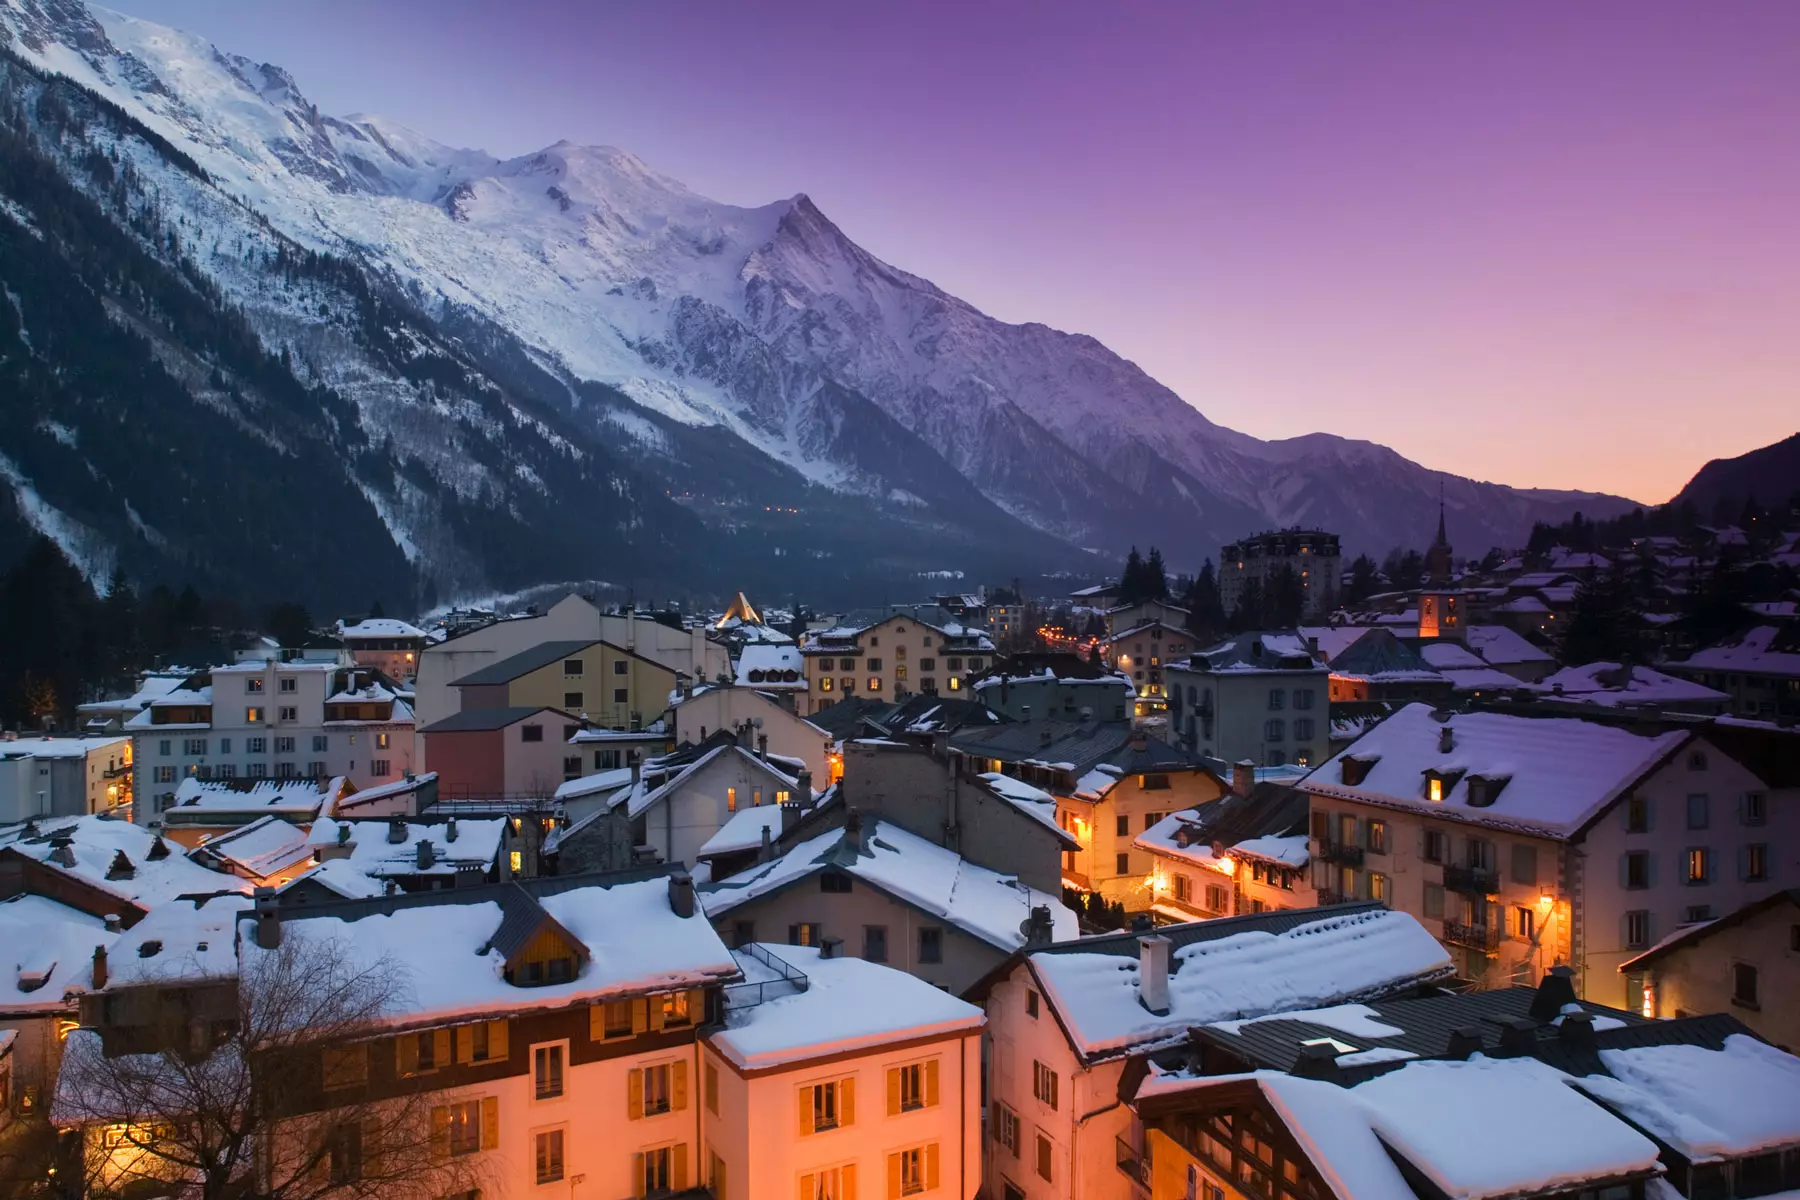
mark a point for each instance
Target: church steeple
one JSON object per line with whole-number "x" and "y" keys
{"x": 1438, "y": 559}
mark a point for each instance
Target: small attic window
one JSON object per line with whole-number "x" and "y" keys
{"x": 1356, "y": 769}
{"x": 1484, "y": 789}
{"x": 1439, "y": 784}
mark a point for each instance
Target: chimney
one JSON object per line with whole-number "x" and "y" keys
{"x": 767, "y": 853}
{"x": 1316, "y": 1062}
{"x": 790, "y": 817}
{"x": 62, "y": 850}
{"x": 1577, "y": 1029}
{"x": 1555, "y": 991}
{"x": 1446, "y": 740}
{"x": 831, "y": 947}
{"x": 114, "y": 923}
{"x": 1024, "y": 712}
{"x": 1038, "y": 929}
{"x": 1044, "y": 736}
{"x": 762, "y": 746}
{"x": 852, "y": 825}
{"x": 450, "y": 830}
{"x": 1464, "y": 1041}
{"x": 803, "y": 795}
{"x": 268, "y": 918}
{"x": 343, "y": 833}
{"x": 99, "y": 967}
{"x": 1153, "y": 974}
{"x": 681, "y": 894}
{"x": 1139, "y": 740}
{"x": 427, "y": 854}
{"x": 1243, "y": 777}
{"x": 1518, "y": 1035}
{"x": 396, "y": 831}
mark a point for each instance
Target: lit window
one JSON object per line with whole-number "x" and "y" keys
{"x": 1437, "y": 791}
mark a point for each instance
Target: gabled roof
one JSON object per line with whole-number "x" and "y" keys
{"x": 257, "y": 850}
{"x": 482, "y": 720}
{"x": 524, "y": 919}
{"x": 1693, "y": 935}
{"x": 1381, "y": 655}
{"x": 1253, "y": 652}
{"x": 539, "y": 656}
{"x": 1232, "y": 968}
{"x": 1554, "y": 774}
{"x": 982, "y": 903}
{"x": 1074, "y": 746}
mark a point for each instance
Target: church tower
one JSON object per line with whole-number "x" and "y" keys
{"x": 1440, "y": 609}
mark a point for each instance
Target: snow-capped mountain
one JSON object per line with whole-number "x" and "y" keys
{"x": 687, "y": 370}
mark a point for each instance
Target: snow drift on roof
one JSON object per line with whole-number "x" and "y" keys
{"x": 1706, "y": 1103}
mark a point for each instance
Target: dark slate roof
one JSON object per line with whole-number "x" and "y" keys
{"x": 1270, "y": 810}
{"x": 1377, "y": 652}
{"x": 524, "y": 662}
{"x": 478, "y": 719}
{"x": 1247, "y": 651}
{"x": 1061, "y": 663}
{"x": 946, "y": 712}
{"x": 844, "y": 719}
{"x": 1085, "y": 744}
{"x": 1124, "y": 944}
{"x": 521, "y": 917}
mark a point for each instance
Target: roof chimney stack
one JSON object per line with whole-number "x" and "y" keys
{"x": 1153, "y": 974}
{"x": 268, "y": 918}
{"x": 1446, "y": 740}
{"x": 396, "y": 831}
{"x": 1577, "y": 1029}
{"x": 99, "y": 967}
{"x": 427, "y": 854}
{"x": 1554, "y": 991}
{"x": 1037, "y": 928}
{"x": 681, "y": 894}
{"x": 831, "y": 947}
{"x": 1464, "y": 1041}
{"x": 1316, "y": 1062}
{"x": 1243, "y": 777}
{"x": 1518, "y": 1035}
{"x": 803, "y": 787}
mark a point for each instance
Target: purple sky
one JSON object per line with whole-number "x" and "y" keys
{"x": 1554, "y": 244}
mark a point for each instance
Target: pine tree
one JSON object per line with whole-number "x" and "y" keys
{"x": 1206, "y": 610}
{"x": 1156, "y": 577}
{"x": 1363, "y": 580}
{"x": 1131, "y": 580}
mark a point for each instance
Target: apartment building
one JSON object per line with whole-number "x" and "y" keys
{"x": 1245, "y": 852}
{"x": 1759, "y": 669}
{"x": 390, "y": 646}
{"x": 890, "y": 660}
{"x": 1258, "y": 696}
{"x": 1746, "y": 963}
{"x": 605, "y": 684}
{"x": 1313, "y": 556}
{"x": 1526, "y": 842}
{"x": 1109, "y": 783}
{"x": 269, "y": 720}
{"x": 834, "y": 1077}
{"x": 61, "y": 777}
{"x": 1142, "y": 652}
{"x": 1067, "y": 1022}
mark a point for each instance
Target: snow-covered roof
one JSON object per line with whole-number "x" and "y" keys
{"x": 341, "y": 876}
{"x": 1756, "y": 652}
{"x": 261, "y": 848}
{"x": 47, "y": 747}
{"x": 660, "y": 777}
{"x": 1480, "y": 679}
{"x": 1439, "y": 1115}
{"x": 46, "y": 948}
{"x": 180, "y": 940}
{"x": 1574, "y": 560}
{"x": 297, "y": 799}
{"x": 981, "y": 902}
{"x": 1500, "y": 646}
{"x": 761, "y": 665}
{"x": 1290, "y": 851}
{"x": 1232, "y": 968}
{"x": 1450, "y": 654}
{"x": 179, "y": 697}
{"x": 379, "y": 627}
{"x": 849, "y": 1006}
{"x": 382, "y": 791}
{"x": 600, "y": 781}
{"x": 442, "y": 948}
{"x": 1613, "y": 685}
{"x": 150, "y": 687}
{"x": 1097, "y": 782}
{"x": 1333, "y": 640}
{"x": 1707, "y": 1104}
{"x": 1553, "y": 773}
{"x": 477, "y": 844}
{"x": 1523, "y": 604}
{"x": 96, "y": 842}
{"x": 743, "y": 830}
{"x": 1161, "y": 838}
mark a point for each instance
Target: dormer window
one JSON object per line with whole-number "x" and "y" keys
{"x": 1484, "y": 789}
{"x": 1439, "y": 784}
{"x": 1355, "y": 769}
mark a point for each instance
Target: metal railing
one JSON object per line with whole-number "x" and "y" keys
{"x": 792, "y": 981}
{"x": 1132, "y": 1162}
{"x": 1480, "y": 881}
{"x": 1476, "y": 937}
{"x": 1342, "y": 853}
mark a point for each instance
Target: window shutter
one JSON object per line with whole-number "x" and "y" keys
{"x": 846, "y": 1101}
{"x": 1524, "y": 863}
{"x": 1055, "y": 1090}
{"x": 634, "y": 1093}
{"x": 846, "y": 1182}
{"x": 712, "y": 1088}
{"x": 696, "y": 999}
{"x": 678, "y": 1080}
{"x": 440, "y": 1047}
{"x": 804, "y": 1097}
{"x": 637, "y": 1172}
{"x": 931, "y": 1167}
{"x": 596, "y": 1022}
{"x": 893, "y": 1188}
{"x": 931, "y": 1083}
{"x": 1624, "y": 871}
{"x": 655, "y": 1014}
{"x": 465, "y": 1043}
{"x": 808, "y": 1188}
{"x": 440, "y": 1131}
{"x": 1650, "y": 869}
{"x": 679, "y": 1170}
{"x": 1649, "y": 815}
{"x": 374, "y": 1162}
{"x": 497, "y": 1043}
{"x": 640, "y": 1015}
{"x": 409, "y": 1053}
{"x": 893, "y": 1091}
{"x": 490, "y": 1122}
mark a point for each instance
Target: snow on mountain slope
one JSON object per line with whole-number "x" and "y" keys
{"x": 765, "y": 324}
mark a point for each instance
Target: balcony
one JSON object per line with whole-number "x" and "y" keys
{"x": 1133, "y": 1163}
{"x": 1327, "y": 896}
{"x": 1476, "y": 937}
{"x": 1474, "y": 881}
{"x": 1341, "y": 853}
